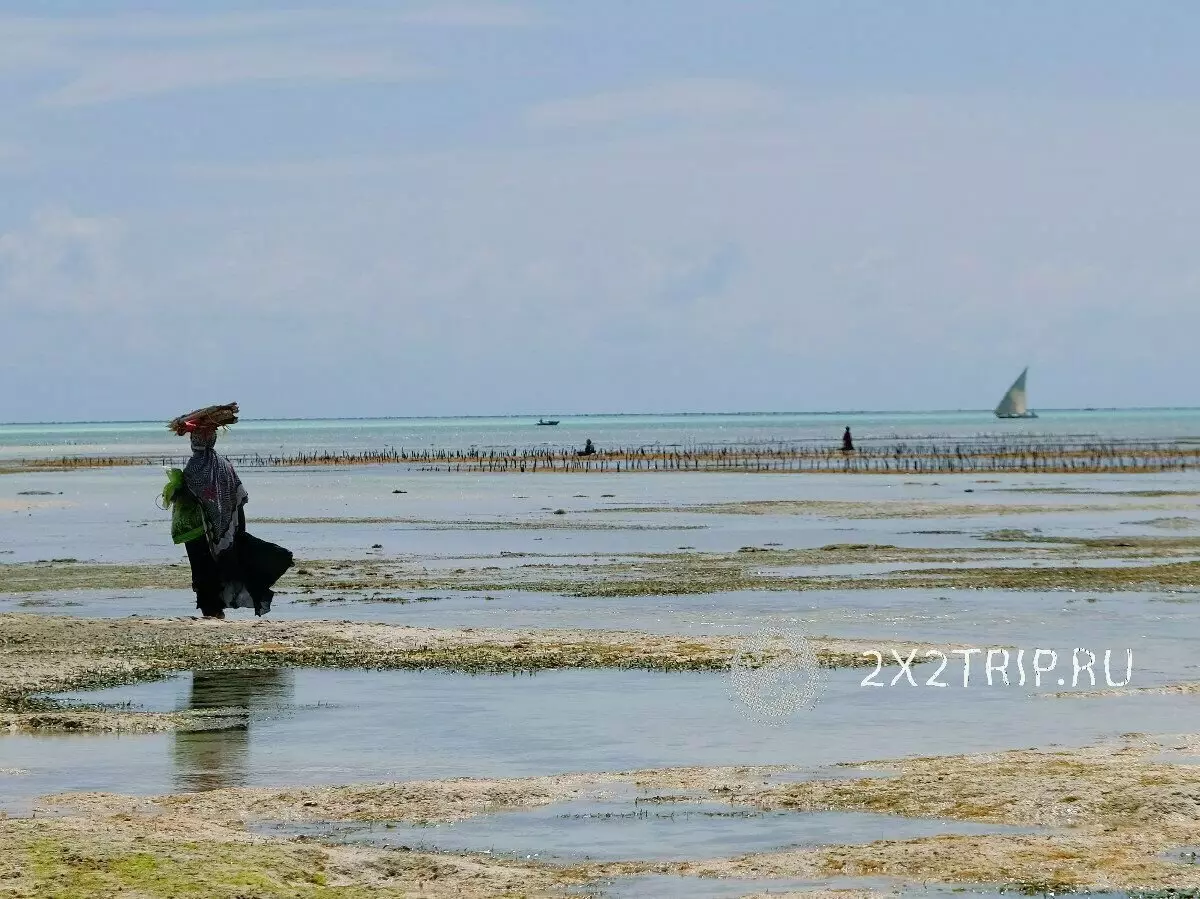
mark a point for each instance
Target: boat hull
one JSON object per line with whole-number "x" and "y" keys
{"x": 1016, "y": 415}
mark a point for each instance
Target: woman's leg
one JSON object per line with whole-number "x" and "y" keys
{"x": 205, "y": 580}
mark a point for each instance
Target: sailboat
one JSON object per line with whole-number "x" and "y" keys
{"x": 1013, "y": 404}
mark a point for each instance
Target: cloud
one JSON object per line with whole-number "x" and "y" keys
{"x": 890, "y": 239}
{"x": 62, "y": 261}
{"x": 342, "y": 167}
{"x": 156, "y": 26}
{"x": 142, "y": 75}
{"x": 856, "y": 253}
{"x": 107, "y": 59}
{"x": 472, "y": 15}
{"x": 694, "y": 99}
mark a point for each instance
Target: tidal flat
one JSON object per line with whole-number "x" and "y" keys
{"x": 41, "y": 654}
{"x": 1101, "y": 817}
{"x": 464, "y": 647}
{"x": 1034, "y": 561}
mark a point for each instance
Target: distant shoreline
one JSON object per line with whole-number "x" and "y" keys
{"x": 989, "y": 454}
{"x": 565, "y": 416}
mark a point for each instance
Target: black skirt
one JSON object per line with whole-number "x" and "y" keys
{"x": 255, "y": 564}
{"x": 262, "y": 564}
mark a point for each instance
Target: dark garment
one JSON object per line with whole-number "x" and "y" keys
{"x": 213, "y": 482}
{"x": 206, "y": 581}
{"x": 847, "y": 442}
{"x": 262, "y": 565}
{"x": 250, "y": 563}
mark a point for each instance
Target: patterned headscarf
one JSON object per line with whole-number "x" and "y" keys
{"x": 212, "y": 480}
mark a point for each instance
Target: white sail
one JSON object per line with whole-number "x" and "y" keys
{"x": 1013, "y": 404}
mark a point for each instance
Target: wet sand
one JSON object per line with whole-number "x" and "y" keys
{"x": 1100, "y": 817}
{"x": 1109, "y": 812}
{"x": 1038, "y": 562}
{"x": 884, "y": 509}
{"x": 41, "y": 654}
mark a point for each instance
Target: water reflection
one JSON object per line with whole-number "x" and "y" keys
{"x": 211, "y": 759}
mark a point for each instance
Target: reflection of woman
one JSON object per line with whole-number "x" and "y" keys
{"x": 211, "y": 759}
{"x": 230, "y": 568}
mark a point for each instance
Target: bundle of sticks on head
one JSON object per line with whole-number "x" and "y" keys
{"x": 201, "y": 419}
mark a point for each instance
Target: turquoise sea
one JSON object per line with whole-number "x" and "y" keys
{"x": 19, "y": 441}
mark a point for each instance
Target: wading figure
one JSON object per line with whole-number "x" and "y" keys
{"x": 588, "y": 449}
{"x": 847, "y": 442}
{"x": 230, "y": 568}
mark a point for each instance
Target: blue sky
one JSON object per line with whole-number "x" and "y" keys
{"x": 475, "y": 208}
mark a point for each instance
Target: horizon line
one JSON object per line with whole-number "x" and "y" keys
{"x": 564, "y": 415}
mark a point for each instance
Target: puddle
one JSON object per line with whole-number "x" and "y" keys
{"x": 1175, "y": 757}
{"x": 1188, "y": 855}
{"x": 210, "y": 759}
{"x": 333, "y": 726}
{"x": 1160, "y": 632}
{"x": 606, "y": 830}
{"x": 995, "y": 892}
{"x": 865, "y": 569}
{"x": 677, "y": 886}
{"x": 807, "y": 775}
{"x": 652, "y": 886}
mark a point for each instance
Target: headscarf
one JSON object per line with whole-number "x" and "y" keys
{"x": 212, "y": 480}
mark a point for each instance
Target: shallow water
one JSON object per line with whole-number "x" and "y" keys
{"x": 330, "y": 726}
{"x": 666, "y": 886}
{"x": 110, "y": 515}
{"x": 1185, "y": 855}
{"x": 1158, "y": 628}
{"x": 265, "y": 437}
{"x": 315, "y": 727}
{"x": 624, "y": 829}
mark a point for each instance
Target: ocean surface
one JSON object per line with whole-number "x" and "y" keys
{"x": 37, "y": 441}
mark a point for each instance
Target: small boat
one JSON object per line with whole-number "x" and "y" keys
{"x": 543, "y": 421}
{"x": 1013, "y": 404}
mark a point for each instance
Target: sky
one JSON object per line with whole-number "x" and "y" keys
{"x": 469, "y": 208}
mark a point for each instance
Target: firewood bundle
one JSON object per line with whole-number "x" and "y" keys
{"x": 208, "y": 417}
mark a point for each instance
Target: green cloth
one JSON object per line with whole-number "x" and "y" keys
{"x": 187, "y": 516}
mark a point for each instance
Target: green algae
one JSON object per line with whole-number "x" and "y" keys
{"x": 664, "y": 573}
{"x": 675, "y": 574}
{"x": 60, "y": 654}
{"x": 29, "y": 577}
{"x": 64, "y": 864}
{"x": 1086, "y": 491}
{"x": 1127, "y": 546}
{"x": 54, "y": 860}
{"x": 100, "y": 719}
{"x": 1109, "y": 813}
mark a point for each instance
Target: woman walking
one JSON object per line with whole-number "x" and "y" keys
{"x": 230, "y": 568}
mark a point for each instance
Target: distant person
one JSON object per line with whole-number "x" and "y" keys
{"x": 847, "y": 442}
{"x": 588, "y": 449}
